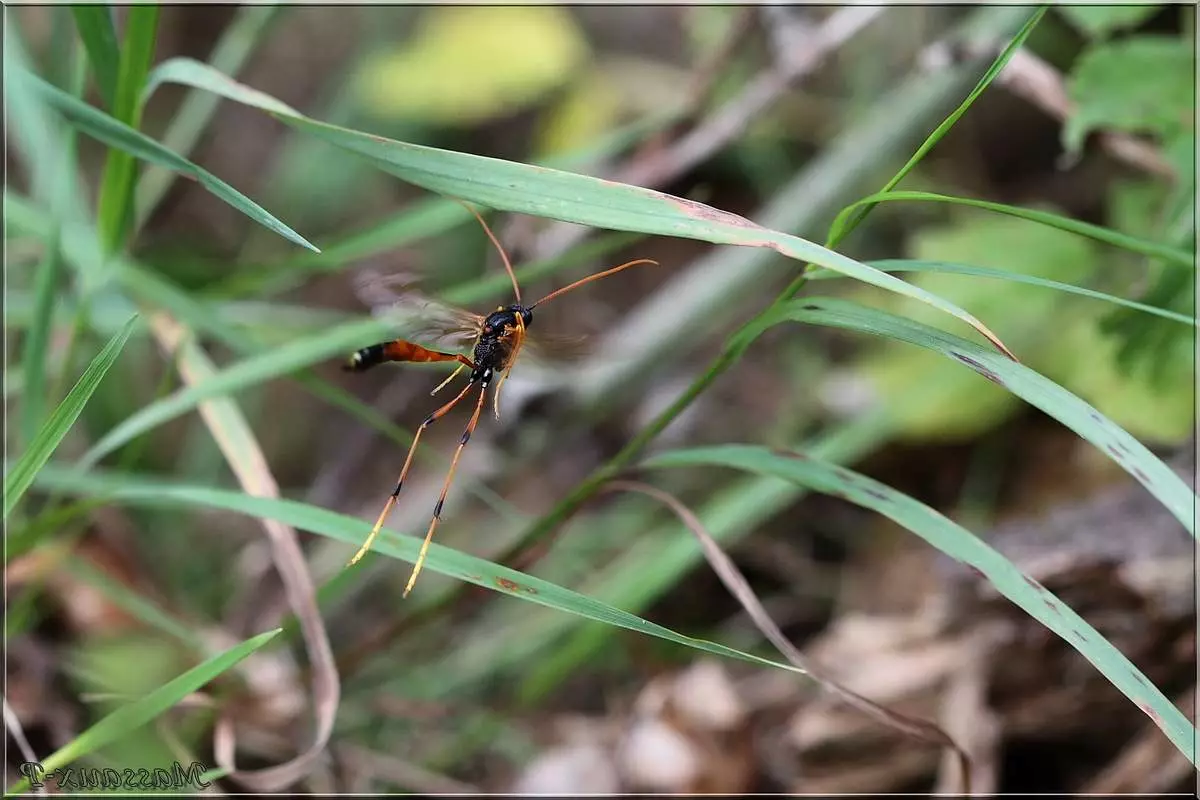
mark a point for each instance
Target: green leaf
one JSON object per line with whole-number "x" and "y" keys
{"x": 965, "y": 409}
{"x": 849, "y": 218}
{"x": 128, "y": 719}
{"x": 99, "y": 38}
{"x": 1132, "y": 243}
{"x": 466, "y": 64}
{"x": 1142, "y": 84}
{"x": 917, "y": 265}
{"x": 34, "y": 354}
{"x": 958, "y": 543}
{"x": 443, "y": 560}
{"x": 238, "y": 41}
{"x": 103, "y": 127}
{"x": 544, "y": 192}
{"x": 1035, "y": 389}
{"x": 49, "y": 157}
{"x": 115, "y": 205}
{"x": 18, "y": 479}
{"x": 1097, "y": 22}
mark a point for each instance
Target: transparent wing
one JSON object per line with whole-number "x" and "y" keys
{"x": 396, "y": 299}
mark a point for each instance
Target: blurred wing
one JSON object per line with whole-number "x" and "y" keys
{"x": 548, "y": 349}
{"x": 395, "y": 299}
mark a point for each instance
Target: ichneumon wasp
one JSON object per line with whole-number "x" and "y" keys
{"x": 494, "y": 341}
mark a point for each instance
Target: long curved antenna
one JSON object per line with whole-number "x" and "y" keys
{"x": 507, "y": 264}
{"x": 591, "y": 278}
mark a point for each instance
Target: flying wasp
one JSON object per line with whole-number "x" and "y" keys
{"x": 495, "y": 341}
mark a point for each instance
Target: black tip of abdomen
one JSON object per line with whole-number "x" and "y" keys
{"x": 364, "y": 359}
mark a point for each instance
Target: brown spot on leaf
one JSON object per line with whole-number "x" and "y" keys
{"x": 980, "y": 368}
{"x": 709, "y": 214}
{"x": 506, "y": 584}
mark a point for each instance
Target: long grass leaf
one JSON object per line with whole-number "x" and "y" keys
{"x": 843, "y": 225}
{"x": 945, "y": 267}
{"x": 99, "y": 37}
{"x": 566, "y": 196}
{"x": 129, "y": 718}
{"x": 34, "y": 354}
{"x": 115, "y": 205}
{"x": 1172, "y": 255}
{"x": 960, "y": 544}
{"x": 105, "y": 128}
{"x": 138, "y": 491}
{"x": 197, "y": 109}
{"x": 18, "y": 479}
{"x": 1041, "y": 392}
{"x": 48, "y": 154}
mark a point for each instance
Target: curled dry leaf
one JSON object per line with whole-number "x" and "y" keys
{"x": 737, "y": 585}
{"x": 241, "y": 450}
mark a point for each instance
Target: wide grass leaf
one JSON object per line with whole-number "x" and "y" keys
{"x": 99, "y": 37}
{"x": 129, "y": 718}
{"x": 114, "y": 133}
{"x": 1134, "y": 244}
{"x": 115, "y": 205}
{"x": 19, "y": 478}
{"x": 960, "y": 544}
{"x": 1130, "y": 454}
{"x": 140, "y": 491}
{"x": 566, "y": 196}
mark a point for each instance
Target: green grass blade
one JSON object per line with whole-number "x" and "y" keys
{"x": 49, "y": 158}
{"x": 112, "y": 132}
{"x": 960, "y": 544}
{"x": 245, "y": 373}
{"x": 99, "y": 37}
{"x": 115, "y": 205}
{"x": 843, "y": 225}
{"x": 129, "y": 718}
{"x": 229, "y": 55}
{"x": 907, "y": 265}
{"x": 443, "y": 560}
{"x": 566, "y": 196}
{"x": 1173, "y": 255}
{"x": 34, "y": 354}
{"x": 1130, "y": 454}
{"x": 422, "y": 219}
{"x": 19, "y": 478}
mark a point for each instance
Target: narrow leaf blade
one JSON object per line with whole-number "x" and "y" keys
{"x": 131, "y": 717}
{"x": 1130, "y": 454}
{"x": 566, "y": 196}
{"x": 959, "y": 543}
{"x": 112, "y": 132}
{"x": 99, "y": 37}
{"x": 18, "y": 479}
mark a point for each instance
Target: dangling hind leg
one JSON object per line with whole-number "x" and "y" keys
{"x": 437, "y": 509}
{"x": 387, "y": 508}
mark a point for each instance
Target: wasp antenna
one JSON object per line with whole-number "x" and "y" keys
{"x": 507, "y": 264}
{"x": 591, "y": 278}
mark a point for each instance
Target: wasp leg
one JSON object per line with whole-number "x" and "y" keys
{"x": 437, "y": 509}
{"x": 432, "y": 418}
{"x": 454, "y": 374}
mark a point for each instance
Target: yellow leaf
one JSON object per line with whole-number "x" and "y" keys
{"x": 467, "y": 64}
